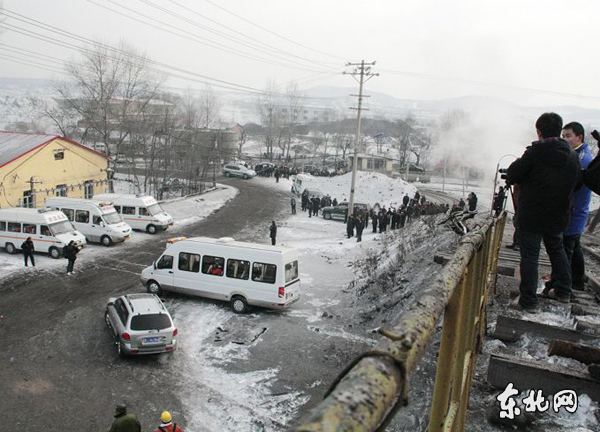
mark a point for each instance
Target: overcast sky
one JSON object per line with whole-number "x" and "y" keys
{"x": 533, "y": 44}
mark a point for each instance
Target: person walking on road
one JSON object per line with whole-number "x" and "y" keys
{"x": 28, "y": 249}
{"x": 273, "y": 232}
{"x": 293, "y": 204}
{"x": 350, "y": 226}
{"x": 70, "y": 252}
{"x": 360, "y": 226}
{"x": 166, "y": 423}
{"x": 309, "y": 206}
{"x": 125, "y": 422}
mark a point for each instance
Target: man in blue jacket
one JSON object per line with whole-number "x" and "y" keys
{"x": 574, "y": 134}
{"x": 547, "y": 174}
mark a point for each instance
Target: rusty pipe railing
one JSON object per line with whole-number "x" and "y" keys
{"x": 367, "y": 394}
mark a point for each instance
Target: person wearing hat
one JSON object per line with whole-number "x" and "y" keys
{"x": 166, "y": 423}
{"x": 125, "y": 422}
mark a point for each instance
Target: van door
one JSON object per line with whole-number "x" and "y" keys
{"x": 82, "y": 224}
{"x": 163, "y": 274}
{"x": 97, "y": 230}
{"x": 187, "y": 274}
{"x": 45, "y": 238}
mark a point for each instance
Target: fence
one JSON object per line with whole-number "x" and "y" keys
{"x": 374, "y": 386}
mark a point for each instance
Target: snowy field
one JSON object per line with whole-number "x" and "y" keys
{"x": 184, "y": 212}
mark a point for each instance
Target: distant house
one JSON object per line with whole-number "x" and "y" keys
{"x": 381, "y": 164}
{"x": 36, "y": 166}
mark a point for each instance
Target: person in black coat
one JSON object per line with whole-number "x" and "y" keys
{"x": 360, "y": 226}
{"x": 273, "y": 232}
{"x": 70, "y": 252}
{"x": 405, "y": 200}
{"x": 304, "y": 201}
{"x": 472, "y": 200}
{"x": 28, "y": 249}
{"x": 316, "y": 206}
{"x": 546, "y": 174}
{"x": 309, "y": 206}
{"x": 499, "y": 201}
{"x": 350, "y": 226}
{"x": 293, "y": 204}
{"x": 375, "y": 220}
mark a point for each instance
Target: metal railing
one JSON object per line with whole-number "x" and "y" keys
{"x": 368, "y": 393}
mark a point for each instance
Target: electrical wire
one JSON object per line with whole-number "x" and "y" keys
{"x": 71, "y": 36}
{"x": 272, "y": 32}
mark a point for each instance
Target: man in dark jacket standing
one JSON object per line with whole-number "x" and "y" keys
{"x": 70, "y": 252}
{"x": 405, "y": 200}
{"x": 125, "y": 422}
{"x": 28, "y": 249}
{"x": 293, "y": 204}
{"x": 350, "y": 226}
{"x": 273, "y": 232}
{"x": 546, "y": 174}
{"x": 360, "y": 226}
{"x": 574, "y": 134}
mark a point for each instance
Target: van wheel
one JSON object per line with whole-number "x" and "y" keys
{"x": 153, "y": 287}
{"x": 239, "y": 304}
{"x": 54, "y": 252}
{"x": 226, "y": 174}
{"x": 327, "y": 216}
{"x": 245, "y": 177}
{"x": 106, "y": 241}
{"x": 10, "y": 248}
{"x": 151, "y": 229}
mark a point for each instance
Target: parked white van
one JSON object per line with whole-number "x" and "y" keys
{"x": 98, "y": 221}
{"x": 50, "y": 230}
{"x": 141, "y": 212}
{"x": 224, "y": 269}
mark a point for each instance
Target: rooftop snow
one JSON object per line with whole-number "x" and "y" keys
{"x": 13, "y": 145}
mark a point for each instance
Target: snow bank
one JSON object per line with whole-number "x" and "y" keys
{"x": 370, "y": 188}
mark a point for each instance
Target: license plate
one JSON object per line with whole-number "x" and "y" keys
{"x": 151, "y": 340}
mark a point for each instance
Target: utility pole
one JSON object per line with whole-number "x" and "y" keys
{"x": 363, "y": 71}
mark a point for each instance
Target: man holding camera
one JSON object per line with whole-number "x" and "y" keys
{"x": 547, "y": 174}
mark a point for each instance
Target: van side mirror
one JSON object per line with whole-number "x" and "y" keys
{"x": 102, "y": 224}
{"x": 154, "y": 265}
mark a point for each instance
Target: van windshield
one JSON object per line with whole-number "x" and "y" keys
{"x": 61, "y": 227}
{"x": 155, "y": 209}
{"x": 112, "y": 218}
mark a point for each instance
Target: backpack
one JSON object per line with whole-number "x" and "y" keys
{"x": 591, "y": 176}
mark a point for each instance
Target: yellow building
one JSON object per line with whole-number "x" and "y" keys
{"x": 36, "y": 166}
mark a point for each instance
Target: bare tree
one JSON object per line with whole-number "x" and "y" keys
{"x": 209, "y": 108}
{"x": 241, "y": 141}
{"x": 110, "y": 90}
{"x": 267, "y": 108}
{"x": 295, "y": 107}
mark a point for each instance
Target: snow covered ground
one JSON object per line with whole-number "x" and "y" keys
{"x": 370, "y": 187}
{"x": 184, "y": 212}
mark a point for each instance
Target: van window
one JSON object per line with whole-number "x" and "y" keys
{"x": 143, "y": 211}
{"x": 29, "y": 228}
{"x": 189, "y": 262}
{"x": 238, "y": 269}
{"x": 262, "y": 272}
{"x": 69, "y": 213}
{"x": 2, "y": 226}
{"x": 45, "y": 231}
{"x": 165, "y": 262}
{"x": 213, "y": 265}
{"x": 128, "y": 210}
{"x": 82, "y": 216}
{"x": 14, "y": 227}
{"x": 96, "y": 220}
{"x": 291, "y": 271}
{"x": 117, "y": 208}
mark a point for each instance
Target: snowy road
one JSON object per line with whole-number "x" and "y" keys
{"x": 231, "y": 373}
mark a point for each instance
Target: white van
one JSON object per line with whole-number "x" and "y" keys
{"x": 141, "y": 212}
{"x": 224, "y": 269}
{"x": 50, "y": 230}
{"x": 98, "y": 221}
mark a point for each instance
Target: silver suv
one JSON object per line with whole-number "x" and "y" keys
{"x": 235, "y": 170}
{"x": 140, "y": 324}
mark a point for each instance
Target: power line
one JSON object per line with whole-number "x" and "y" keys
{"x": 194, "y": 37}
{"x": 30, "y": 21}
{"x": 272, "y": 32}
{"x": 264, "y": 49}
{"x": 243, "y": 34}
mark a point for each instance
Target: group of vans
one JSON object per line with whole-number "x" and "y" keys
{"x": 106, "y": 219}
{"x": 224, "y": 269}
